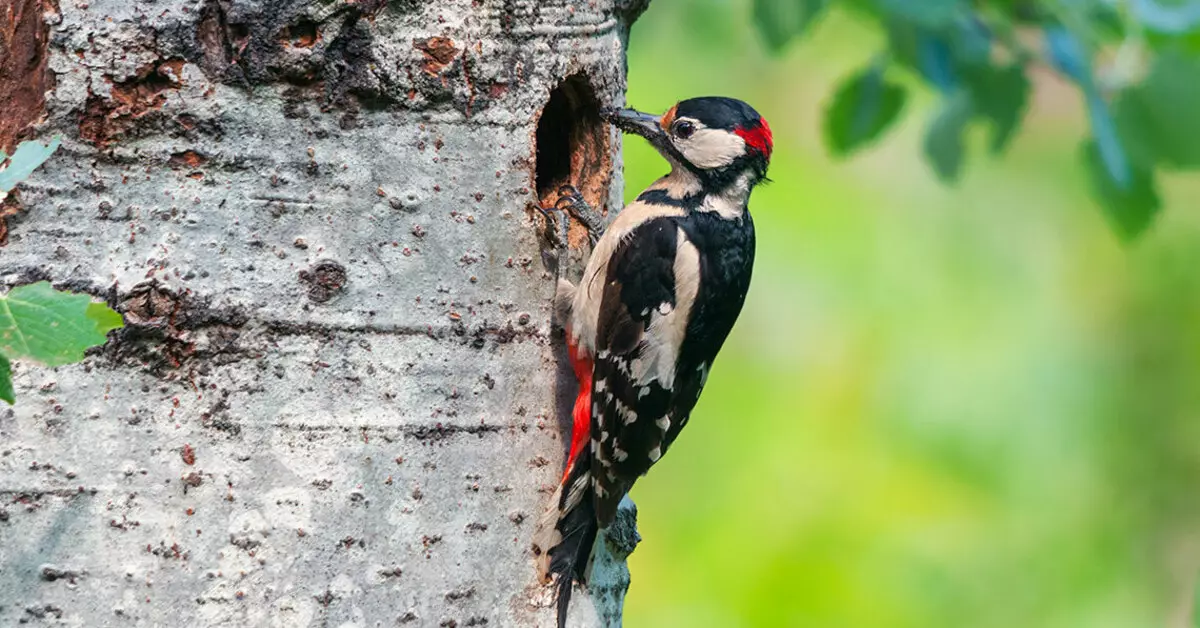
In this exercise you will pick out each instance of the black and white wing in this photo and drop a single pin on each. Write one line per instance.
(650, 290)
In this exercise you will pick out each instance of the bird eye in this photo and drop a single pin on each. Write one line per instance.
(684, 129)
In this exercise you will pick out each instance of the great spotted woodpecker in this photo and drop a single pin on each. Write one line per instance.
(661, 291)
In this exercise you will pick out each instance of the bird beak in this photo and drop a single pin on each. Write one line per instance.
(636, 122)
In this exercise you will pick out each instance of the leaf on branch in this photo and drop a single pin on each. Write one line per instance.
(971, 40)
(1158, 119)
(6, 387)
(935, 61)
(944, 137)
(902, 38)
(1131, 208)
(863, 107)
(778, 21)
(28, 157)
(105, 318)
(1001, 96)
(1071, 58)
(941, 56)
(52, 327)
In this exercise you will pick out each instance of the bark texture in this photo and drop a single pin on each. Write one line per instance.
(338, 400)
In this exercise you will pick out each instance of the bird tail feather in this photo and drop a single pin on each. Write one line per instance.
(570, 557)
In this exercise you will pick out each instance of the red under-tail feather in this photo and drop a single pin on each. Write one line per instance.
(583, 406)
(577, 522)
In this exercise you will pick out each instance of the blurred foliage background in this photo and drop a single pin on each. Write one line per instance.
(944, 405)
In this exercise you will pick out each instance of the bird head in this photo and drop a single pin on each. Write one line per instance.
(715, 138)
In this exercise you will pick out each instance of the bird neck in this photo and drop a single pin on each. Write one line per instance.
(722, 193)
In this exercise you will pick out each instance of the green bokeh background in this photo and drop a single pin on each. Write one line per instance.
(942, 406)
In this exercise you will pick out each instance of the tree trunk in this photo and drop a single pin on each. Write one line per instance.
(338, 399)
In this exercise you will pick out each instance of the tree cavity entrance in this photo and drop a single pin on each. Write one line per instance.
(573, 147)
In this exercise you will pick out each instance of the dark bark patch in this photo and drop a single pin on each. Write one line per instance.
(151, 305)
(325, 280)
(24, 36)
(10, 206)
(43, 612)
(441, 431)
(302, 34)
(186, 160)
(188, 454)
(162, 326)
(326, 598)
(439, 52)
(50, 573)
(191, 480)
(394, 572)
(221, 43)
(460, 594)
(106, 119)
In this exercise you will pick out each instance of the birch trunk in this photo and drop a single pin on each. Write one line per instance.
(338, 400)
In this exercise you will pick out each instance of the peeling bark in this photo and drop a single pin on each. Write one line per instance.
(24, 32)
(338, 398)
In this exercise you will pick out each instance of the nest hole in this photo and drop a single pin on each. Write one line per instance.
(573, 146)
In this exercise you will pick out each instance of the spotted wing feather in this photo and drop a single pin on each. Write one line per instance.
(630, 397)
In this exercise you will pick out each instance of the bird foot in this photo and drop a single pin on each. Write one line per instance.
(571, 201)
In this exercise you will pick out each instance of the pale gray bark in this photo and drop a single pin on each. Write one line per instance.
(338, 400)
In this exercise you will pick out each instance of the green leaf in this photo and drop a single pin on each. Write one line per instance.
(6, 389)
(1130, 209)
(52, 327)
(778, 21)
(1158, 119)
(863, 107)
(935, 62)
(1000, 96)
(944, 137)
(105, 318)
(933, 14)
(28, 157)
(971, 40)
(1106, 20)
(903, 42)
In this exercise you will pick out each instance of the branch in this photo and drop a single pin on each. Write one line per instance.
(609, 579)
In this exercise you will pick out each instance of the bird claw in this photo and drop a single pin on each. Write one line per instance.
(572, 202)
(558, 224)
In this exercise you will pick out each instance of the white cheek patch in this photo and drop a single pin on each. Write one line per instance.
(712, 148)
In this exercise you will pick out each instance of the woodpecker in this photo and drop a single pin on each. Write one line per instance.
(663, 286)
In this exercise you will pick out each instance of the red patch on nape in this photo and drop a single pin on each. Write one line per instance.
(758, 137)
(582, 414)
